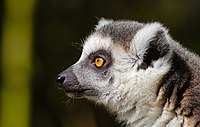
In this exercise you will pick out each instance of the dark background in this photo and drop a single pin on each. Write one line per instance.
(60, 24)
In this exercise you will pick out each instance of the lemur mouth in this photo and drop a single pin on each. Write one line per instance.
(77, 92)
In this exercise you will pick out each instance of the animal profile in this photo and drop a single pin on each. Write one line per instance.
(139, 73)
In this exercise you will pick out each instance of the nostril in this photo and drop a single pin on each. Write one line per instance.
(60, 80)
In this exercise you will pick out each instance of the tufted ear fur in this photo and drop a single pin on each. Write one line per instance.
(151, 43)
(102, 22)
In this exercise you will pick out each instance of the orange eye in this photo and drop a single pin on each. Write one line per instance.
(99, 62)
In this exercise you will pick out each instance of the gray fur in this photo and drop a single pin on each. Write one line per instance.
(121, 32)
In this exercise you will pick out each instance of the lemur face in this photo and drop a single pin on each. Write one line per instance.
(118, 59)
(92, 75)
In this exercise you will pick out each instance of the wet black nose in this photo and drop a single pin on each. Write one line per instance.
(60, 80)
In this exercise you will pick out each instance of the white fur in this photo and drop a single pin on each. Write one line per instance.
(94, 43)
(102, 22)
(134, 88)
(143, 37)
(133, 95)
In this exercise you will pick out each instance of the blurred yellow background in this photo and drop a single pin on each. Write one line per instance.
(37, 40)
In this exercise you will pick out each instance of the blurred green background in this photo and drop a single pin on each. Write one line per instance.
(39, 37)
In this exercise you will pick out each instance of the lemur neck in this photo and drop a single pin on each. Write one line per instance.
(176, 82)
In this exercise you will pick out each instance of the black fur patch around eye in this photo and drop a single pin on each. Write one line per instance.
(106, 55)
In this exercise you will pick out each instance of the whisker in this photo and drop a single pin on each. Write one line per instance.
(77, 45)
(64, 67)
(65, 100)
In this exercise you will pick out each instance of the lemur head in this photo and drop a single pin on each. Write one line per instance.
(122, 63)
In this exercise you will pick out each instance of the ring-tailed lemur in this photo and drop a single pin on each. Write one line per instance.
(140, 73)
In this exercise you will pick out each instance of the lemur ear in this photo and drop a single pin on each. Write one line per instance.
(102, 22)
(151, 43)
